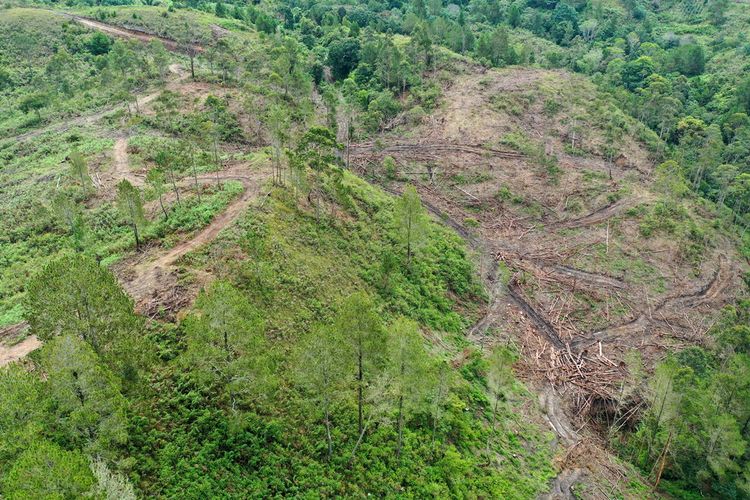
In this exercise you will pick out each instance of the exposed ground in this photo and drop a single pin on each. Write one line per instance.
(150, 277)
(581, 284)
(14, 344)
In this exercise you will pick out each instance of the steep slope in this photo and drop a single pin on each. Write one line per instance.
(542, 173)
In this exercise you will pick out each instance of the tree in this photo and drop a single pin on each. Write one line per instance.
(34, 102)
(724, 176)
(440, 378)
(23, 414)
(159, 57)
(89, 408)
(99, 44)
(226, 344)
(287, 64)
(743, 95)
(155, 179)
(412, 225)
(130, 203)
(408, 369)
(318, 150)
(187, 153)
(79, 169)
(690, 59)
(188, 40)
(45, 470)
(165, 160)
(589, 29)
(423, 43)
(515, 11)
(76, 296)
(658, 106)
(322, 367)
(710, 147)
(278, 125)
(717, 10)
(564, 23)
(360, 324)
(220, 10)
(65, 207)
(496, 48)
(122, 58)
(343, 57)
(112, 485)
(499, 378)
(635, 73)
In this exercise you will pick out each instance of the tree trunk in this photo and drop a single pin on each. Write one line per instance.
(192, 65)
(161, 203)
(195, 176)
(174, 187)
(328, 433)
(360, 379)
(359, 441)
(663, 461)
(494, 419)
(400, 425)
(408, 244)
(216, 161)
(137, 238)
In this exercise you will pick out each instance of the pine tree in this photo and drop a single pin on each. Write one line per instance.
(226, 344)
(79, 170)
(45, 470)
(89, 407)
(65, 207)
(130, 203)
(411, 222)
(322, 368)
(360, 325)
(155, 179)
(408, 370)
(77, 296)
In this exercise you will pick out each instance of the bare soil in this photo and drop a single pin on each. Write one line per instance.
(13, 344)
(586, 287)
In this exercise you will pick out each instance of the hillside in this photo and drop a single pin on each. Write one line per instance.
(343, 250)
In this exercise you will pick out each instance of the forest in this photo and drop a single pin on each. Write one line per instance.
(404, 248)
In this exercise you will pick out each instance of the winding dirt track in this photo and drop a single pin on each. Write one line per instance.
(88, 119)
(147, 275)
(130, 33)
(121, 165)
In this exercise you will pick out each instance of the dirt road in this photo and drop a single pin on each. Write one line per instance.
(11, 350)
(90, 119)
(132, 33)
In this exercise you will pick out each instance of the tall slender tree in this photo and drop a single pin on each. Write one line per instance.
(130, 203)
(360, 324)
(79, 169)
(409, 371)
(411, 222)
(322, 368)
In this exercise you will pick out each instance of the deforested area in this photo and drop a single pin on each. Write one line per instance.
(418, 249)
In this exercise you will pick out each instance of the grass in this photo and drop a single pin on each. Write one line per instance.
(295, 263)
(163, 22)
